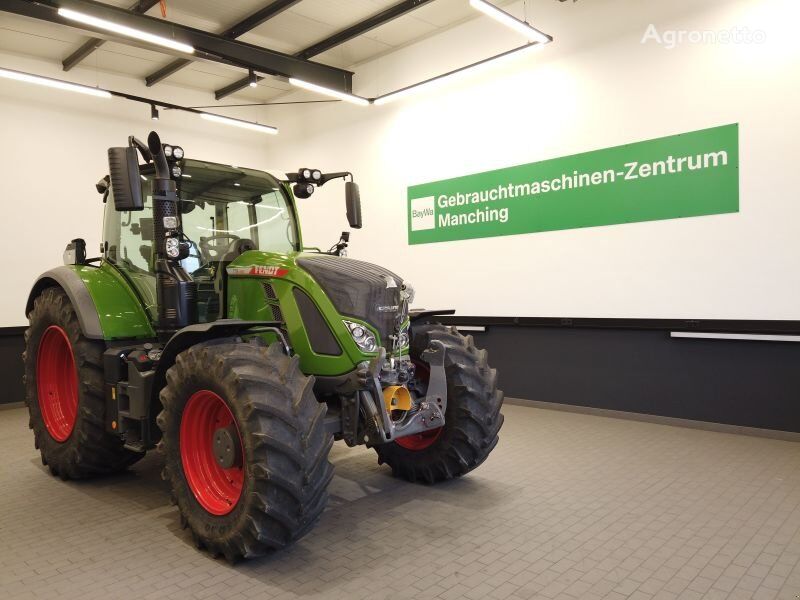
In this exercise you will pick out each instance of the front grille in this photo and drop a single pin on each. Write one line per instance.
(358, 289)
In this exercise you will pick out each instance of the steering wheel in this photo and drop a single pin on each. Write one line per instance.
(215, 251)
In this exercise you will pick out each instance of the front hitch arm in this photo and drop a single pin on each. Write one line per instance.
(430, 409)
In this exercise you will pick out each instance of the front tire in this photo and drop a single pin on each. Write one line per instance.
(64, 393)
(472, 419)
(246, 451)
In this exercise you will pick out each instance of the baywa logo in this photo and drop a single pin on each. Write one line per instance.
(423, 214)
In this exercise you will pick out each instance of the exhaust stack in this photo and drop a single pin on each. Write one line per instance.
(175, 288)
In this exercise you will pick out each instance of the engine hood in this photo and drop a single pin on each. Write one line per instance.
(358, 289)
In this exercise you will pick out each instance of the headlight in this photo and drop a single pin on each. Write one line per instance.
(362, 336)
(176, 171)
(177, 152)
(168, 151)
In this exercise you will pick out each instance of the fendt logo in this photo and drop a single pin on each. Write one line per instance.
(423, 215)
(257, 270)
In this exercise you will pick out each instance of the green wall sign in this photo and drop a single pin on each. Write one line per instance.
(685, 175)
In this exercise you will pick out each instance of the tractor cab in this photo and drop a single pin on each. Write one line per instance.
(224, 211)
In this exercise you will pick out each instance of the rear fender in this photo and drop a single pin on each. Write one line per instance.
(79, 296)
(106, 306)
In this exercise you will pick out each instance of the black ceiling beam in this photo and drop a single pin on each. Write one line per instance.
(234, 87)
(164, 72)
(208, 46)
(258, 17)
(376, 20)
(233, 32)
(93, 44)
(360, 28)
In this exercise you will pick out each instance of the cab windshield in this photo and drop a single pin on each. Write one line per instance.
(227, 209)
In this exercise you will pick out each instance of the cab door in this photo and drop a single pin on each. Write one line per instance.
(128, 244)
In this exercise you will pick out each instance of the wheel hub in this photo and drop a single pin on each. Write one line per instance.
(227, 450)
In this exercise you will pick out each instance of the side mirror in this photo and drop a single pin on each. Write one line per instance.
(353, 201)
(126, 183)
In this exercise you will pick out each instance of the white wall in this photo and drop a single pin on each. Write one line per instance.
(53, 151)
(596, 86)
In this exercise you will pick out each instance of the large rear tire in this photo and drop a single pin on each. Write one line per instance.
(472, 419)
(64, 393)
(253, 408)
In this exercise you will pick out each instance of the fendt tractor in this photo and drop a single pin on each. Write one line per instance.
(206, 330)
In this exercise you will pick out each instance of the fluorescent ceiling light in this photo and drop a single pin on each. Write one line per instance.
(508, 20)
(328, 92)
(239, 123)
(54, 83)
(124, 30)
(447, 77)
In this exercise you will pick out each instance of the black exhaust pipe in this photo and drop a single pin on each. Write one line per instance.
(175, 288)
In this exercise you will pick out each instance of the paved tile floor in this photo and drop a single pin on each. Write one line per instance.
(568, 506)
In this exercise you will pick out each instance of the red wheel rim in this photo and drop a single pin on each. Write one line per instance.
(420, 441)
(57, 383)
(216, 489)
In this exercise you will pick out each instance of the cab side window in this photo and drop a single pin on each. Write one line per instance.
(128, 243)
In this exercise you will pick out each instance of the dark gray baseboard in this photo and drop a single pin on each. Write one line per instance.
(12, 344)
(613, 365)
(733, 382)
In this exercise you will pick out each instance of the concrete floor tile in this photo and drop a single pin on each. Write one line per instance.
(568, 506)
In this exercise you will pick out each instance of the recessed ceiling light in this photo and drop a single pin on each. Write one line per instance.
(313, 87)
(511, 21)
(138, 34)
(239, 123)
(446, 77)
(54, 83)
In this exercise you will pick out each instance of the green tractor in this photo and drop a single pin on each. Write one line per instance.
(207, 331)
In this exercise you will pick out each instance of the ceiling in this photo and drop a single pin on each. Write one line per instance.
(294, 29)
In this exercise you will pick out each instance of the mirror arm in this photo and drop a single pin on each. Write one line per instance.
(135, 142)
(326, 177)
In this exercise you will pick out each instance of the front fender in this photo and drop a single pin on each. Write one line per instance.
(107, 307)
